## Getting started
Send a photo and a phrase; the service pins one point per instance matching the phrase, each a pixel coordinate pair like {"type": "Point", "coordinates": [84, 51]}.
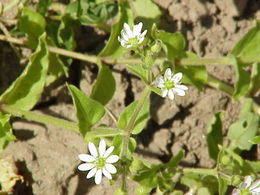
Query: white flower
{"type": "Point", "coordinates": [170, 84]}
{"type": "Point", "coordinates": [130, 38]}
{"type": "Point", "coordinates": [247, 187]}
{"type": "Point", "coordinates": [98, 162]}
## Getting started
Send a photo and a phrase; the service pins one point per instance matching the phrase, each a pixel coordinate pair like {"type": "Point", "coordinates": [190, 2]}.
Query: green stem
{"type": "Point", "coordinates": [213, 82]}
{"type": "Point", "coordinates": [200, 171]}
{"type": "Point", "coordinates": [126, 138]}
{"type": "Point", "coordinates": [183, 61]}
{"type": "Point", "coordinates": [39, 117]}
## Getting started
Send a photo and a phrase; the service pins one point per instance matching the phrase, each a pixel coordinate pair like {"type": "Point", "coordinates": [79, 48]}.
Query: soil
{"type": "Point", "coordinates": [46, 156]}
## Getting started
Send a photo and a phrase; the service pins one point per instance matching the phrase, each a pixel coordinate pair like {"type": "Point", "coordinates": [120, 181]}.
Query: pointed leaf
{"type": "Point", "coordinates": [104, 87]}
{"type": "Point", "coordinates": [33, 24]}
{"type": "Point", "coordinates": [249, 46]}
{"type": "Point", "coordinates": [27, 88]}
{"type": "Point", "coordinates": [89, 112]}
{"type": "Point", "coordinates": [214, 136]}
{"type": "Point", "coordinates": [5, 131]}
{"type": "Point", "coordinates": [141, 119]}
{"type": "Point", "coordinates": [244, 129]}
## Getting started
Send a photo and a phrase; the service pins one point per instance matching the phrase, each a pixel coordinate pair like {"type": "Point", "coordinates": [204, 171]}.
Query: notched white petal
{"type": "Point", "coordinates": [108, 151]}
{"type": "Point", "coordinates": [102, 147]}
{"type": "Point", "coordinates": [98, 176]}
{"type": "Point", "coordinates": [128, 30]}
{"type": "Point", "coordinates": [86, 158]}
{"type": "Point", "coordinates": [110, 168]}
{"type": "Point", "coordinates": [171, 94]}
{"type": "Point", "coordinates": [112, 159]}
{"type": "Point", "coordinates": [106, 173]}
{"type": "Point", "coordinates": [164, 92]}
{"type": "Point", "coordinates": [183, 87]}
{"type": "Point", "coordinates": [248, 181]}
{"type": "Point", "coordinates": [91, 173]}
{"type": "Point", "coordinates": [177, 77]}
{"type": "Point", "coordinates": [92, 149]}
{"type": "Point", "coordinates": [86, 166]}
{"type": "Point", "coordinates": [168, 74]}
{"type": "Point", "coordinates": [137, 29]}
{"type": "Point", "coordinates": [179, 92]}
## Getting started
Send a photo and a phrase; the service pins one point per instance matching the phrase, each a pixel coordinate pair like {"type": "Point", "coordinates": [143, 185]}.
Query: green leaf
{"type": "Point", "coordinates": [140, 121]}
{"type": "Point", "coordinates": [139, 71]}
{"type": "Point", "coordinates": [65, 32]}
{"type": "Point", "coordinates": [89, 112]}
{"type": "Point", "coordinates": [33, 24]}
{"type": "Point", "coordinates": [203, 184]}
{"type": "Point", "coordinates": [175, 160]}
{"type": "Point", "coordinates": [113, 48]}
{"type": "Point", "coordinates": [42, 6]}
{"type": "Point", "coordinates": [242, 80]}
{"type": "Point", "coordinates": [214, 136]}
{"type": "Point", "coordinates": [254, 85]}
{"type": "Point", "coordinates": [27, 88]}
{"type": "Point", "coordinates": [223, 185]}
{"type": "Point", "coordinates": [5, 131]}
{"type": "Point", "coordinates": [245, 128]}
{"type": "Point", "coordinates": [194, 75]}
{"type": "Point", "coordinates": [102, 132]}
{"type": "Point", "coordinates": [104, 87]}
{"type": "Point", "coordinates": [147, 12]}
{"type": "Point", "coordinates": [173, 43]}
{"type": "Point", "coordinates": [255, 140]}
{"type": "Point", "coordinates": [249, 46]}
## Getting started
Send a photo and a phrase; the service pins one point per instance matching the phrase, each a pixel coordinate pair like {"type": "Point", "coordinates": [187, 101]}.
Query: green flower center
{"type": "Point", "coordinates": [132, 41]}
{"type": "Point", "coordinates": [244, 192]}
{"type": "Point", "coordinates": [168, 84]}
{"type": "Point", "coordinates": [100, 162]}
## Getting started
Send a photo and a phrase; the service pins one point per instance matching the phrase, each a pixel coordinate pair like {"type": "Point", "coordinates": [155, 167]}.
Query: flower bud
{"type": "Point", "coordinates": [225, 160]}
{"type": "Point", "coordinates": [235, 180]}
{"type": "Point", "coordinates": [156, 47]}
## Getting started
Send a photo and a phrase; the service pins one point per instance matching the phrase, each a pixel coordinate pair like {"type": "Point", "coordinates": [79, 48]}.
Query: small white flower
{"type": "Point", "coordinates": [170, 84]}
{"type": "Point", "coordinates": [247, 187]}
{"type": "Point", "coordinates": [130, 38]}
{"type": "Point", "coordinates": [98, 162]}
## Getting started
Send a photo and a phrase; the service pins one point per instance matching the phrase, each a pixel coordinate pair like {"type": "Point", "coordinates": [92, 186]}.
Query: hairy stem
{"type": "Point", "coordinates": [200, 171]}
{"type": "Point", "coordinates": [213, 82]}
{"type": "Point", "coordinates": [129, 128]}
{"type": "Point", "coordinates": [39, 117]}
{"type": "Point", "coordinates": [93, 59]}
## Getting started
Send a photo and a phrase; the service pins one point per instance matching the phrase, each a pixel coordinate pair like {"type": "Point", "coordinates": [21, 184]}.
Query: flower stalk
{"type": "Point", "coordinates": [39, 117]}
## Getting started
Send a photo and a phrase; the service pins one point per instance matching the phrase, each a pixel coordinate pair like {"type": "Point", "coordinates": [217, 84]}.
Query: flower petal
{"type": "Point", "coordinates": [92, 149]}
{"type": "Point", "coordinates": [106, 173]}
{"type": "Point", "coordinates": [248, 181]}
{"type": "Point", "coordinates": [110, 168]}
{"type": "Point", "coordinates": [143, 33]}
{"type": "Point", "coordinates": [102, 147]}
{"type": "Point", "coordinates": [128, 30]}
{"type": "Point", "coordinates": [177, 77]}
{"type": "Point", "coordinates": [112, 159]}
{"type": "Point", "coordinates": [178, 91]}
{"type": "Point", "coordinates": [183, 87]}
{"type": "Point", "coordinates": [168, 74]}
{"type": "Point", "coordinates": [137, 29]}
{"type": "Point", "coordinates": [171, 94]}
{"type": "Point", "coordinates": [255, 186]}
{"type": "Point", "coordinates": [86, 166]}
{"type": "Point", "coordinates": [108, 151]}
{"type": "Point", "coordinates": [91, 173]}
{"type": "Point", "coordinates": [159, 82]}
{"type": "Point", "coordinates": [164, 92]}
{"type": "Point", "coordinates": [86, 157]}
{"type": "Point", "coordinates": [98, 176]}
{"type": "Point", "coordinates": [236, 192]}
